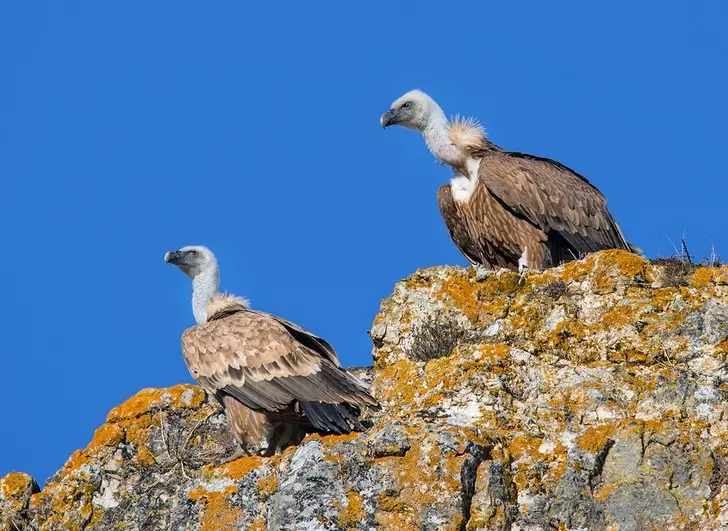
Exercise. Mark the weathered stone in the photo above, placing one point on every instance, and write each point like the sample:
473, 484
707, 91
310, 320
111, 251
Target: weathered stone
590, 396
15, 491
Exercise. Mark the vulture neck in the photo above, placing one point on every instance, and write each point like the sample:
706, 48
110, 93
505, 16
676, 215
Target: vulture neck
437, 137
205, 284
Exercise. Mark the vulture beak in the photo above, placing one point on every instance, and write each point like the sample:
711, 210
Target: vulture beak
172, 257
388, 118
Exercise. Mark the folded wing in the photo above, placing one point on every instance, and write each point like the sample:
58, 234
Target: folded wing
553, 198
269, 364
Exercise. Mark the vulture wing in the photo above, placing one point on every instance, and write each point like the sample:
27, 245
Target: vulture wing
552, 197
457, 226
267, 364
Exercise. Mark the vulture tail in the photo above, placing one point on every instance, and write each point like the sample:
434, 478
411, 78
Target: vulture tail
332, 418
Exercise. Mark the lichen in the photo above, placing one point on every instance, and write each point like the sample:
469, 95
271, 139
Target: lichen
217, 510
147, 400
267, 485
353, 513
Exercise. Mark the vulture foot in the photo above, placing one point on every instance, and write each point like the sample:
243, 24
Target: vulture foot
240, 452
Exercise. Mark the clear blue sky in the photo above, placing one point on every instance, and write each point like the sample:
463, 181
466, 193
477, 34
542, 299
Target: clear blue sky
131, 128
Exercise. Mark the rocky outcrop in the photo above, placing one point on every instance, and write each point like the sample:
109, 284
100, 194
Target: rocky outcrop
589, 396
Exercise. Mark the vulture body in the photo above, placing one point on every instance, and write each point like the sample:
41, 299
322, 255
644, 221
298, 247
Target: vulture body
506, 209
276, 381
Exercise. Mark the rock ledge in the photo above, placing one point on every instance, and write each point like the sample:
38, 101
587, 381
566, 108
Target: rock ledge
590, 396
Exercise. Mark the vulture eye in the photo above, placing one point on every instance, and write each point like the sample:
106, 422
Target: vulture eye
406, 104
193, 253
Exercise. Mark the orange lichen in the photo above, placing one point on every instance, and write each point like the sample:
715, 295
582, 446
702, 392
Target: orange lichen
620, 315
388, 501
218, 512
267, 485
722, 347
15, 484
408, 385
703, 276
15, 489
258, 525
396, 521
330, 441
524, 446
424, 476
353, 513
138, 434
67, 504
177, 397
595, 438
235, 470
77, 459
479, 300
107, 435
608, 268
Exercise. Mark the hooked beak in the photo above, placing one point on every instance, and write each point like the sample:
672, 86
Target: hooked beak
388, 118
172, 257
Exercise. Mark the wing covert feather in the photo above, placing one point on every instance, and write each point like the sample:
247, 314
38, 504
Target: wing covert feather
552, 197
255, 358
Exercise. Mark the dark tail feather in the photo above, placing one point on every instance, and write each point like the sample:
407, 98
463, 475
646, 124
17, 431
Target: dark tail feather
332, 418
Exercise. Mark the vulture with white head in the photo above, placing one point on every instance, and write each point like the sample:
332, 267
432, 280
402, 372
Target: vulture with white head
505, 209
275, 380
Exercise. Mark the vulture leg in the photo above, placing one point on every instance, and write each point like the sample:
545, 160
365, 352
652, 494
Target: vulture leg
526, 264
240, 452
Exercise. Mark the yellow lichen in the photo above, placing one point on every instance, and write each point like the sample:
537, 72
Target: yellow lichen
353, 514
258, 525
424, 476
703, 276
722, 347
15, 484
330, 441
235, 470
107, 435
218, 512
267, 485
607, 269
177, 397
594, 438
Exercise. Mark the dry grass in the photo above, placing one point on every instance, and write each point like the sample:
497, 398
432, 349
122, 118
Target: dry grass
436, 337
555, 289
720, 475
675, 270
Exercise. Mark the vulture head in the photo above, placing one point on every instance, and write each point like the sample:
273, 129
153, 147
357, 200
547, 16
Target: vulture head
192, 260
413, 110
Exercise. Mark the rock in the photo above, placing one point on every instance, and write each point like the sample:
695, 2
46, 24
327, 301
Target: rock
15, 491
589, 396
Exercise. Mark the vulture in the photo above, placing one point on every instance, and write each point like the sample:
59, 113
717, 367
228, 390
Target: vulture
276, 381
505, 209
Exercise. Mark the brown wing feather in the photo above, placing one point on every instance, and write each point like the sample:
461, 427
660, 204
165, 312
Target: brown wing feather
249, 427
489, 234
457, 227
254, 358
552, 197
312, 341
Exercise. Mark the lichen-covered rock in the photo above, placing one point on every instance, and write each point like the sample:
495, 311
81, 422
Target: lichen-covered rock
589, 396
600, 392
15, 491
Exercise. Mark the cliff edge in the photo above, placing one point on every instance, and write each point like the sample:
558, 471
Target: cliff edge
590, 396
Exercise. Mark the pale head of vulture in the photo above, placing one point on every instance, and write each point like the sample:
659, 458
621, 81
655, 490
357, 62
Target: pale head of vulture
454, 143
192, 260
414, 110
198, 263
